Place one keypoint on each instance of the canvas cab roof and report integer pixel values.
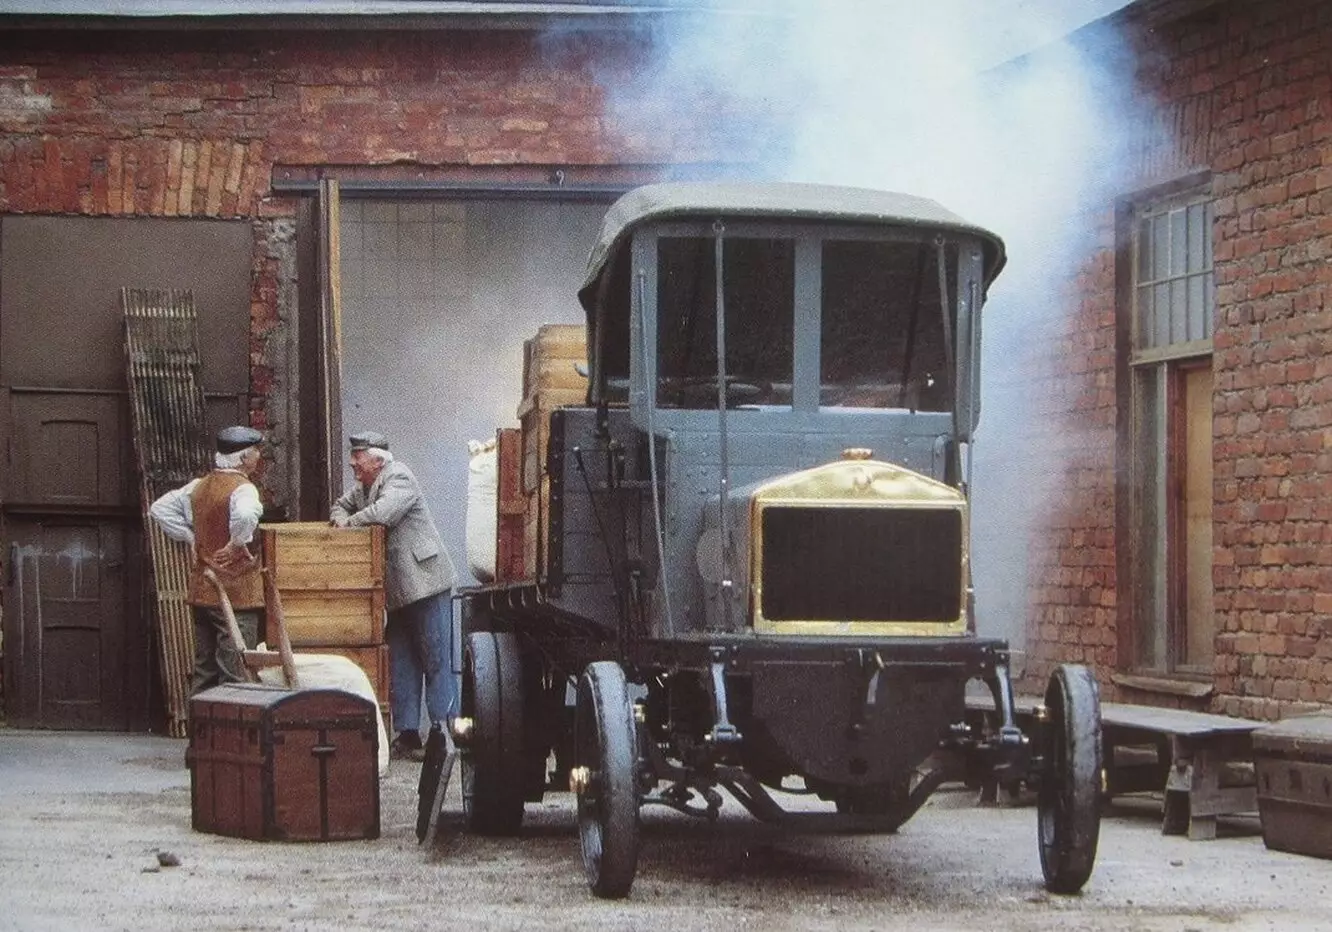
(703, 200)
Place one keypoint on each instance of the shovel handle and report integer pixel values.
(278, 626)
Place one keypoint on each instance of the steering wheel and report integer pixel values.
(700, 391)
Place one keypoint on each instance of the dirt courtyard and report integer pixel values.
(83, 818)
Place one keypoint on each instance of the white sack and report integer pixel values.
(333, 671)
(481, 517)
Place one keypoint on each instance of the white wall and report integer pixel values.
(438, 296)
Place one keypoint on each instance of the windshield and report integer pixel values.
(882, 330)
(759, 295)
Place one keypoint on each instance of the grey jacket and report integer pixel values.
(417, 564)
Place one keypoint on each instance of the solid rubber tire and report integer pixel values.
(1069, 799)
(492, 697)
(605, 741)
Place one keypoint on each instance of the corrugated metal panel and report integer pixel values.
(170, 443)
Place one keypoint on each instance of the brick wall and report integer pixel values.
(1245, 91)
(197, 124)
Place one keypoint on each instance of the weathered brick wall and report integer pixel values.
(1245, 90)
(177, 124)
(1072, 569)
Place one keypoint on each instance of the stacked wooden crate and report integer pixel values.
(550, 379)
(331, 583)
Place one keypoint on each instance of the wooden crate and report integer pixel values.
(330, 580)
(1293, 760)
(279, 764)
(511, 507)
(549, 358)
(549, 381)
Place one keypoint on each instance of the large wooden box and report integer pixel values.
(278, 764)
(330, 580)
(550, 380)
(1293, 763)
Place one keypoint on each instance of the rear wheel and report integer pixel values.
(1069, 800)
(605, 760)
(492, 759)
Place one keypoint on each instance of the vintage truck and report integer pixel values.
(733, 550)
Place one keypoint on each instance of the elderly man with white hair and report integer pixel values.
(217, 515)
(418, 577)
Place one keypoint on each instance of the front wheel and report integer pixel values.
(492, 759)
(605, 761)
(1069, 800)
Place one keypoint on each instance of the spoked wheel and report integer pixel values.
(1069, 800)
(605, 759)
(492, 757)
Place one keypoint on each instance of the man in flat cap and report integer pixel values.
(419, 575)
(217, 516)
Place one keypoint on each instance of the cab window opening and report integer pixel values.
(759, 294)
(882, 334)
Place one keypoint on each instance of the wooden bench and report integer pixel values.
(1201, 763)
(1206, 760)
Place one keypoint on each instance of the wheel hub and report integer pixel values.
(580, 780)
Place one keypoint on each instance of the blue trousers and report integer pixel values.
(420, 642)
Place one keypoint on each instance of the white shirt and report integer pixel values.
(174, 513)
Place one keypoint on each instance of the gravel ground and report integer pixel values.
(84, 818)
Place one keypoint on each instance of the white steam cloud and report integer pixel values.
(928, 99)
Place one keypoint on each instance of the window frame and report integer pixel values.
(1153, 573)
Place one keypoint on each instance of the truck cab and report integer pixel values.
(750, 559)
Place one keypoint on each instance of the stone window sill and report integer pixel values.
(1191, 689)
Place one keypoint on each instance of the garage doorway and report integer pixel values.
(437, 297)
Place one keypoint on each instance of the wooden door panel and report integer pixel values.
(64, 604)
(67, 449)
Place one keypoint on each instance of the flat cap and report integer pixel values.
(365, 439)
(235, 439)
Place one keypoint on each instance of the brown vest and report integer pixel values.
(211, 504)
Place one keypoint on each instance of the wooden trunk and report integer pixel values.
(331, 582)
(549, 381)
(1293, 761)
(277, 764)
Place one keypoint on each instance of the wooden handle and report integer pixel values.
(277, 625)
(233, 626)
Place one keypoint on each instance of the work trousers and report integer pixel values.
(216, 659)
(420, 642)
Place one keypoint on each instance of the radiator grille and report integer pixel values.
(861, 564)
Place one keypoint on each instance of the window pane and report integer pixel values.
(1198, 229)
(1207, 239)
(1209, 304)
(1178, 311)
(1161, 325)
(1197, 312)
(1179, 249)
(1145, 271)
(1160, 247)
(1146, 317)
(759, 294)
(882, 326)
